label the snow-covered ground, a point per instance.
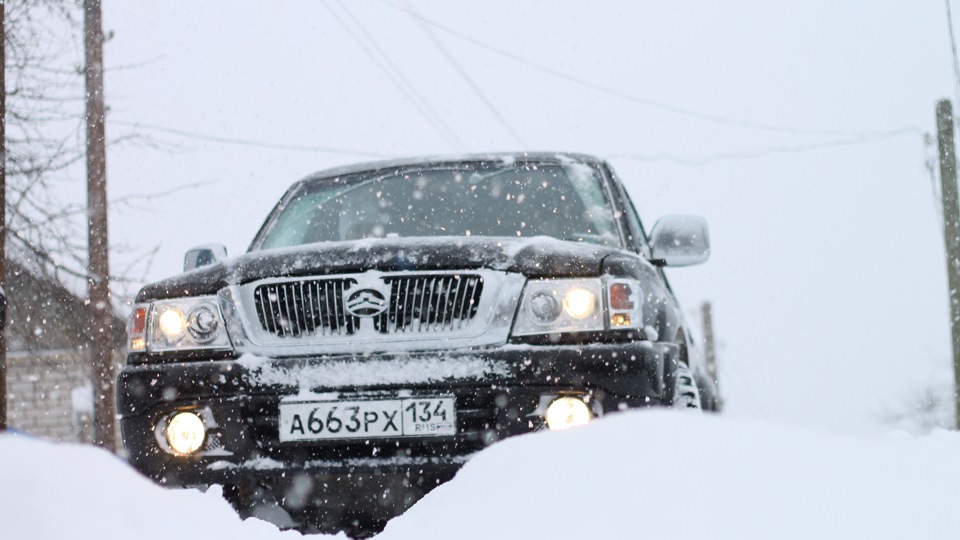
(657, 474)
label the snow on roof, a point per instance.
(507, 158)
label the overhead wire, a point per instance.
(762, 152)
(681, 111)
(245, 142)
(930, 164)
(748, 154)
(397, 77)
(467, 78)
(395, 74)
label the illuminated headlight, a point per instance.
(567, 412)
(180, 324)
(580, 303)
(171, 323)
(552, 306)
(185, 433)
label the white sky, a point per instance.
(828, 272)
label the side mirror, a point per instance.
(203, 255)
(680, 241)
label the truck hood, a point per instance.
(533, 257)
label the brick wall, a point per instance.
(50, 394)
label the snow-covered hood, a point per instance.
(536, 256)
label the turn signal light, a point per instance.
(136, 329)
(620, 296)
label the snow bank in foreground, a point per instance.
(668, 475)
(651, 474)
(71, 492)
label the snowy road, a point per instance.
(655, 474)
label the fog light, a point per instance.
(186, 433)
(567, 412)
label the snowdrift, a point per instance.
(71, 492)
(663, 474)
(652, 474)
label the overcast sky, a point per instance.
(795, 128)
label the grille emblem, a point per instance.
(366, 303)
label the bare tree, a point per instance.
(44, 137)
(45, 148)
(46, 236)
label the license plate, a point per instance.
(406, 417)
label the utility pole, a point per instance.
(100, 327)
(3, 215)
(951, 231)
(709, 346)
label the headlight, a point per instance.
(171, 323)
(545, 307)
(560, 305)
(551, 306)
(580, 303)
(567, 412)
(180, 324)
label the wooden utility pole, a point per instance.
(3, 215)
(100, 327)
(951, 231)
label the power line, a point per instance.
(707, 117)
(246, 142)
(762, 152)
(930, 159)
(466, 77)
(747, 154)
(389, 68)
(399, 73)
(390, 75)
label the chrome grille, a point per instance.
(431, 303)
(305, 308)
(417, 304)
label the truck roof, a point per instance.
(506, 157)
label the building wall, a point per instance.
(50, 394)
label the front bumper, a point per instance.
(499, 392)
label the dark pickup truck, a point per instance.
(392, 319)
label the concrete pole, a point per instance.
(3, 214)
(951, 231)
(710, 349)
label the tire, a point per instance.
(686, 395)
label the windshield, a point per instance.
(563, 201)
